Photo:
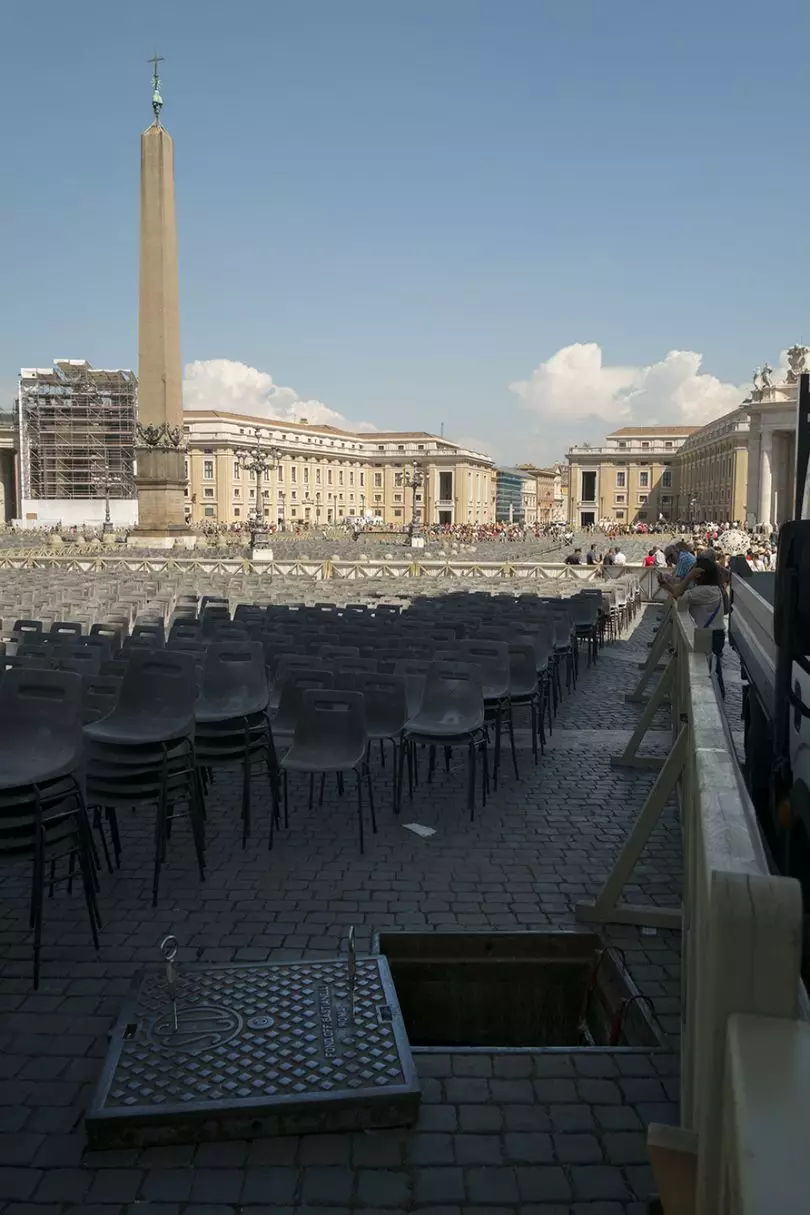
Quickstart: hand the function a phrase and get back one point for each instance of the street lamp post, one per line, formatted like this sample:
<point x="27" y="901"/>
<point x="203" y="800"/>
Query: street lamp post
<point x="258" y="459"/>
<point x="104" y="479"/>
<point x="414" y="480"/>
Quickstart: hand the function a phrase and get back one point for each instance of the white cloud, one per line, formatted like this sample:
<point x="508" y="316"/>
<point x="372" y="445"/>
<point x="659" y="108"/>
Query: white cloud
<point x="236" y="388"/>
<point x="575" y="384"/>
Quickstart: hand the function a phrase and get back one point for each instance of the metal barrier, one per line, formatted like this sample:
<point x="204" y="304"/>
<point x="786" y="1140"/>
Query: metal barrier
<point x="741" y="926"/>
<point x="322" y="569"/>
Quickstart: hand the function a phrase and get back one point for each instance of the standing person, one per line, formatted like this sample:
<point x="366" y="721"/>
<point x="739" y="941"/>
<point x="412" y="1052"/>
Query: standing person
<point x="619" y="558"/>
<point x="650" y="558"/>
<point x="660" y="559"/>
<point x="592" y="557"/>
<point x="686" y="559"/>
<point x="704" y="596"/>
<point x="574" y="558"/>
<point x="608" y="558"/>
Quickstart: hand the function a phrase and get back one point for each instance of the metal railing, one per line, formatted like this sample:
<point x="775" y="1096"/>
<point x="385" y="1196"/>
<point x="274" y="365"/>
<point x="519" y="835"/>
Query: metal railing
<point x="741" y="946"/>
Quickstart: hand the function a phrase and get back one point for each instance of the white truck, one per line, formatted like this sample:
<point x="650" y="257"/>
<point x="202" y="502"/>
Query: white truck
<point x="769" y="627"/>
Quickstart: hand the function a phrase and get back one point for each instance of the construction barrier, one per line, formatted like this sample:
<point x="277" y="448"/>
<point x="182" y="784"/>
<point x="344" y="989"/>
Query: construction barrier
<point x="741" y="943"/>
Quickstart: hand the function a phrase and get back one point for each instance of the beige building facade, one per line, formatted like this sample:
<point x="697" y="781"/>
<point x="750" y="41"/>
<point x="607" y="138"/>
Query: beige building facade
<point x="742" y="467"/>
<point x="630" y="478"/>
<point x="711" y="471"/>
<point x="325" y="475"/>
<point x="551" y="485"/>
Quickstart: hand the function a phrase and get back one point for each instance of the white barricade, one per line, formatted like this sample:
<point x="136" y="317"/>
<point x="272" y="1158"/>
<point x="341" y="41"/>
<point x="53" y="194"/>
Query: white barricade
<point x="742" y="925"/>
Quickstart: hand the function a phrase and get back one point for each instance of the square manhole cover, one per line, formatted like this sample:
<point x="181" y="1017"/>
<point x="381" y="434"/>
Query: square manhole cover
<point x="278" y="1048"/>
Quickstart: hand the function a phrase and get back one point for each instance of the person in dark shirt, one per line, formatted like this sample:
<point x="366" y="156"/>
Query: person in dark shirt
<point x="592" y="557"/>
<point x="574" y="558"/>
<point x="608" y="558"/>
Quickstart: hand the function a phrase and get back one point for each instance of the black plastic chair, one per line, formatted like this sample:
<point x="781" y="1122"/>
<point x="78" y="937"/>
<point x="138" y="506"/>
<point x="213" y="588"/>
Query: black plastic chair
<point x="142" y="753"/>
<point x="493" y="659"/>
<point x="386" y="705"/>
<point x="231" y="718"/>
<point x="42" y="810"/>
<point x="451" y="714"/>
<point x="330" y="736"/>
<point x="65" y="628"/>
<point x="99" y="696"/>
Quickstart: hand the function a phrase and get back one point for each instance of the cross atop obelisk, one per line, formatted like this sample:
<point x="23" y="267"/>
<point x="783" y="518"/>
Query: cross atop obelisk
<point x="159" y="445"/>
<point x="157" y="100"/>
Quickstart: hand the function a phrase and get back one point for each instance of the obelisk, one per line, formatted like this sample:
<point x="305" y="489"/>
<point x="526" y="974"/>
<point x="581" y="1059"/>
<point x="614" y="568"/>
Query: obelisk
<point x="159" y="446"/>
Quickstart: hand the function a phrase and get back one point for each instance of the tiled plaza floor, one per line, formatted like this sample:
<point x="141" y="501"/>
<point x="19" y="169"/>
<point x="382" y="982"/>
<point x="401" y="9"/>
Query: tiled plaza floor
<point x="542" y="1134"/>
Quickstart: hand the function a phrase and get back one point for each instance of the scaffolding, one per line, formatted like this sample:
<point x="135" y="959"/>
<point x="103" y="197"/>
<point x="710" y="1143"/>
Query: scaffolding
<point x="76" y="431"/>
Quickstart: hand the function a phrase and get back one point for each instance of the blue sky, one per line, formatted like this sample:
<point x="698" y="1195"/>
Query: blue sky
<point x="399" y="209"/>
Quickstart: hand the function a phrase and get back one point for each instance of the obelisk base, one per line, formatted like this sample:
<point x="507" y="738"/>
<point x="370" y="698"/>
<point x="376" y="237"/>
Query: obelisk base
<point x="161" y="482"/>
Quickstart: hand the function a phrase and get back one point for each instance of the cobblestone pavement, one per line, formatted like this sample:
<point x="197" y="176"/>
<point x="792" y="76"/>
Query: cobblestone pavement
<point x="542" y="1134"/>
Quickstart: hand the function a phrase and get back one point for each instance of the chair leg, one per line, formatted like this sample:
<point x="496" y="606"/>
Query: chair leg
<point x="496" y="767"/>
<point x="98" y="825"/>
<point x="382" y="752"/>
<point x="471" y="760"/>
<point x="112" y="820"/>
<point x="311" y="790"/>
<point x="160" y="837"/>
<point x="533" y="707"/>
<point x="484" y="770"/>
<point x="37" y="900"/>
<point x="397" y="773"/>
<point x="371" y="799"/>
<point x="245" y="800"/>
<point x="286" y="801"/>
<point x="511" y="724"/>
<point x="360" y="809"/>
<point x="447" y="753"/>
<point x="403" y="748"/>
<point x="89" y="892"/>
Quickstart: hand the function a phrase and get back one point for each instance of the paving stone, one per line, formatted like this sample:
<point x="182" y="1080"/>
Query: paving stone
<point x="554" y="1066"/>
<point x="488" y="1185"/>
<point x="505" y="1092"/>
<point x="115" y="1185"/>
<point x="617" y="1117"/>
<point x="466" y="1090"/>
<point x="472" y="1065"/>
<point x="327" y="1185"/>
<point x="431" y="1149"/>
<point x="281" y="1152"/>
<point x="484" y="1118"/>
<point x="626" y="1147"/>
<point x="381" y="1150"/>
<point x="535" y="1148"/>
<point x="437" y="1185"/>
<point x="270" y="1186"/>
<point x="217" y="1185"/>
<point x="438" y="1118"/>
<point x="64" y="1185"/>
<point x="381" y="1188"/>
<point x="513" y="1067"/>
<point x="555" y="1091"/>
<point x="224" y="1155"/>
<point x="599" y="1092"/>
<point x="542" y="1183"/>
<point x="324" y="1150"/>
<point x="19" y="1148"/>
<point x="577" y="1149"/>
<point x="592" y="1181"/>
